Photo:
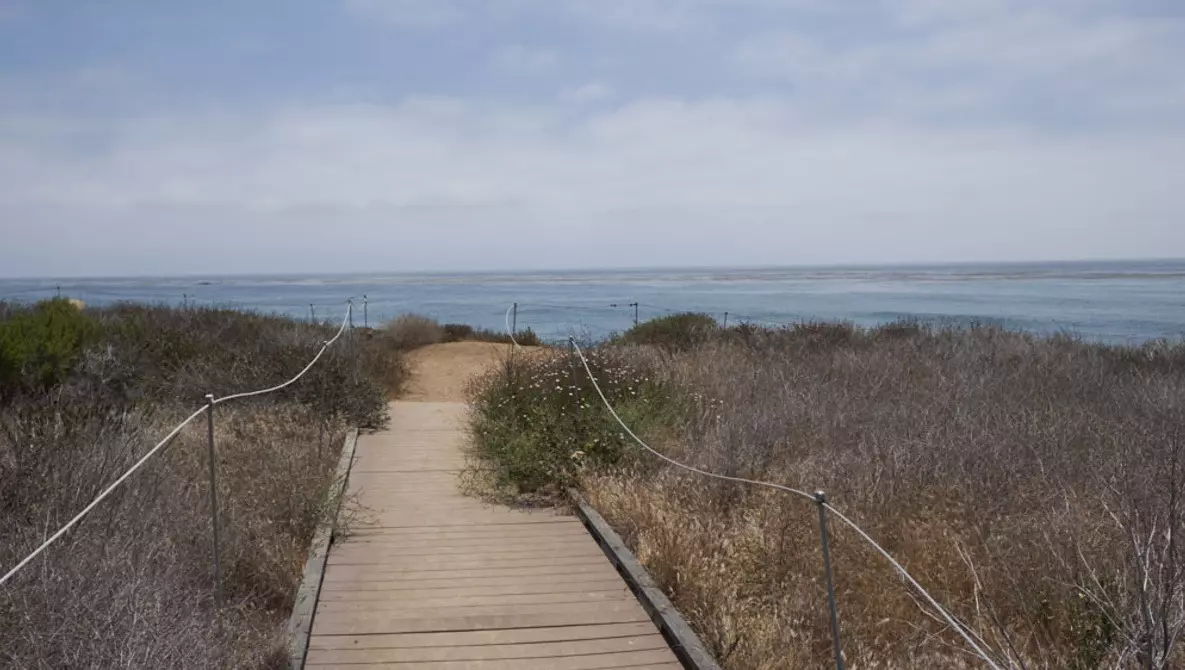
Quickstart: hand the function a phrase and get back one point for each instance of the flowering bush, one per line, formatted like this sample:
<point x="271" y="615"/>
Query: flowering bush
<point x="539" y="422"/>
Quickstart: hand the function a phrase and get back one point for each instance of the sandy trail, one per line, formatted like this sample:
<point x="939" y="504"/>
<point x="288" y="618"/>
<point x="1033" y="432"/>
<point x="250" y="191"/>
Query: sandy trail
<point x="441" y="372"/>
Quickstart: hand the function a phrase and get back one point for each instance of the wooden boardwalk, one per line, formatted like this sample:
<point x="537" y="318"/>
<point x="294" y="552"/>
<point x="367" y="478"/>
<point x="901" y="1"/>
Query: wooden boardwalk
<point x="439" y="580"/>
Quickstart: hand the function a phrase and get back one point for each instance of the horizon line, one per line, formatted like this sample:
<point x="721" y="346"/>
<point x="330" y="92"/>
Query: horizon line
<point x="600" y="269"/>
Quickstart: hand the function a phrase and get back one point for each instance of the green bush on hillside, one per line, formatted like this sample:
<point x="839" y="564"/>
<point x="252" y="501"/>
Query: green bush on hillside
<point x="676" y="332"/>
<point x="38" y="345"/>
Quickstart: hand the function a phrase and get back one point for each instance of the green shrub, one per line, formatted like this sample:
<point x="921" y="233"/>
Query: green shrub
<point x="538" y="421"/>
<point x="38" y="346"/>
<point x="677" y="332"/>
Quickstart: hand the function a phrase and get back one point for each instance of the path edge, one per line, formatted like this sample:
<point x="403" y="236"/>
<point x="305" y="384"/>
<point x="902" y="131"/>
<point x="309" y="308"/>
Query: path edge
<point x="300" y="623"/>
<point x="687" y="646"/>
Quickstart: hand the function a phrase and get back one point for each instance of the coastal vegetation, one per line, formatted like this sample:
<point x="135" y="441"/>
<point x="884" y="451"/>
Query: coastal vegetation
<point x="1033" y="484"/>
<point x="83" y="394"/>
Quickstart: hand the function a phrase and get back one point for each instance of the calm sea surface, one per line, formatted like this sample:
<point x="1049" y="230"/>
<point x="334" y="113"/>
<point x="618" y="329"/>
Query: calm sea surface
<point x="1109" y="301"/>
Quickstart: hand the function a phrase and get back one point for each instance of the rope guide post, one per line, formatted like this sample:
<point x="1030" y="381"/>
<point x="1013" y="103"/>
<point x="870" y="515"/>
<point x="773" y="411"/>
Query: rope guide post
<point x="214" y="500"/>
<point x="365" y="316"/>
<point x="575" y="387"/>
<point x="821" y="499"/>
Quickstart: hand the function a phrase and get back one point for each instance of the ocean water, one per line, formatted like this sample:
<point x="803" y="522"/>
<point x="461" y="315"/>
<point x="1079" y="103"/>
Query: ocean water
<point x="1121" y="302"/>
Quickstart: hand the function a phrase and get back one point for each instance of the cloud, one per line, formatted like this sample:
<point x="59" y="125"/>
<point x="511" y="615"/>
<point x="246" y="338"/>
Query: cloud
<point x="621" y="132"/>
<point x="1009" y="60"/>
<point x="591" y="92"/>
<point x="519" y="59"/>
<point x="435" y="183"/>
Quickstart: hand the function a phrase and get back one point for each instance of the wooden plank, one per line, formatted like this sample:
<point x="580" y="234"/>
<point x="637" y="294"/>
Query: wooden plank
<point x="523" y="587"/>
<point x="366" y="582"/>
<point x="492" y="652"/>
<point x="504" y="636"/>
<point x="368" y="624"/>
<point x="360" y="574"/>
<point x="561" y="536"/>
<point x="477" y="563"/>
<point x="438" y="556"/>
<point x="403" y="601"/>
<point x="627" y="659"/>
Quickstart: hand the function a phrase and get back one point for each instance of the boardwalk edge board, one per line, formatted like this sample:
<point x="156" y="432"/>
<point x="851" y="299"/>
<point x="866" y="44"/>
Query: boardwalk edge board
<point x="683" y="641"/>
<point x="300" y="624"/>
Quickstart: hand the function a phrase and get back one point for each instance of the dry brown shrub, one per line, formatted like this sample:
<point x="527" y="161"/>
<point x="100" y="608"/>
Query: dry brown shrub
<point x="410" y="331"/>
<point x="132" y="584"/>
<point x="1032" y="484"/>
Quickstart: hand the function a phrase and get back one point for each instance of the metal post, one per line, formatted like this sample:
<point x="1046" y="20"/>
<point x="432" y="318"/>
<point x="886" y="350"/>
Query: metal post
<point x="514" y="323"/>
<point x="184" y="300"/>
<point x="635" y="306"/>
<point x="365" y="316"/>
<point x="59" y="290"/>
<point x="214" y="500"/>
<point x="822" y="500"/>
<point x="350" y="312"/>
<point x="312" y="314"/>
<point x="726" y="320"/>
<point x="575" y="389"/>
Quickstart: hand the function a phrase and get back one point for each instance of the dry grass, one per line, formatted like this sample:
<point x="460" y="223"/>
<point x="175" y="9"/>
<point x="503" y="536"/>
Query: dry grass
<point x="1033" y="484"/>
<point x="411" y="331"/>
<point x="131" y="586"/>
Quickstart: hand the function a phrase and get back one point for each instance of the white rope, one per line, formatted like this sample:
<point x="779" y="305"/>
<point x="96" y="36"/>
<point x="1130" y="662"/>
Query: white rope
<point x="324" y="346"/>
<point x="509" y="330"/>
<point x="106" y="492"/>
<point x="160" y="445"/>
<point x="666" y="458"/>
<point x="949" y="619"/>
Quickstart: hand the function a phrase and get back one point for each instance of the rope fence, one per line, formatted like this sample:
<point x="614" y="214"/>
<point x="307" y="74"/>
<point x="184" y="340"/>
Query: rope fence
<point x="208" y="410"/>
<point x="965" y="632"/>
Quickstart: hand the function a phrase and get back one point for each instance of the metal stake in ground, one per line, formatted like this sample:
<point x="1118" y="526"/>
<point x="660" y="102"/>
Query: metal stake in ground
<point x="312" y="314"/>
<point x="214" y="500"/>
<point x="575" y="389"/>
<point x="365" y="316"/>
<point x="822" y="500"/>
<point x="514" y="322"/>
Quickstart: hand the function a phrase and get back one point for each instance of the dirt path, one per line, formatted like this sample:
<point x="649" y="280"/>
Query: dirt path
<point x="441" y="372"/>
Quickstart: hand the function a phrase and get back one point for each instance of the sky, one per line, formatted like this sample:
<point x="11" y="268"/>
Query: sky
<point x="140" y="137"/>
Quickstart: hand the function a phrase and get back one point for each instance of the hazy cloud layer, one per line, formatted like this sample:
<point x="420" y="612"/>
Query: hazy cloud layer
<point x="436" y="134"/>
